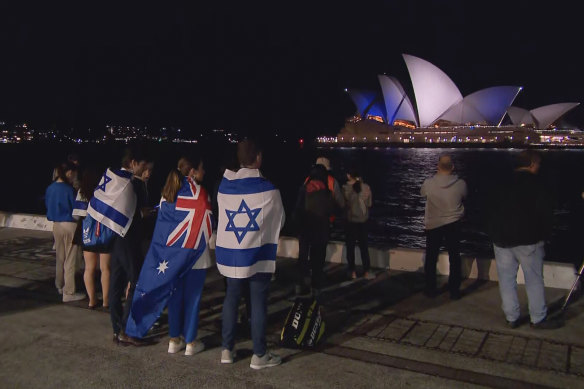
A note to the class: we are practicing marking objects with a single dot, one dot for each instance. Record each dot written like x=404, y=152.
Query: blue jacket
x=59, y=200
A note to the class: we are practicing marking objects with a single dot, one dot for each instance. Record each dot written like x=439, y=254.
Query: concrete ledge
x=556, y=274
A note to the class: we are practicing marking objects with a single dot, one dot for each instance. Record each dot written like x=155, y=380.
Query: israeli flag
x=251, y=216
x=114, y=201
x=80, y=205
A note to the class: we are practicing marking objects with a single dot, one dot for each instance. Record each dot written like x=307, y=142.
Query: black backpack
x=304, y=326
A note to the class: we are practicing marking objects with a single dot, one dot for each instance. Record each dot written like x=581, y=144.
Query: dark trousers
x=449, y=236
x=259, y=286
x=315, y=249
x=357, y=233
x=125, y=267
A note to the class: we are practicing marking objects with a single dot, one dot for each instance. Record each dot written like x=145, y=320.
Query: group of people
x=519, y=219
x=164, y=267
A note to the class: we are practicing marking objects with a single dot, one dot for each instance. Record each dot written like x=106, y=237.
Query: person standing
x=358, y=200
x=93, y=255
x=251, y=216
x=520, y=219
x=127, y=258
x=59, y=200
x=444, y=193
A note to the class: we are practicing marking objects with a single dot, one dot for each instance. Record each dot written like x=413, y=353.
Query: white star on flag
x=162, y=267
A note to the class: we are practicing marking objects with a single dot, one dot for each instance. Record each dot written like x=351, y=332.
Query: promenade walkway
x=380, y=333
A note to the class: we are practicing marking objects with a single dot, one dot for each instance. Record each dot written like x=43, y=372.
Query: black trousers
x=125, y=267
x=315, y=249
x=449, y=236
x=357, y=233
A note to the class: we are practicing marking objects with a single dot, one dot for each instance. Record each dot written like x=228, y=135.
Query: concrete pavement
x=380, y=333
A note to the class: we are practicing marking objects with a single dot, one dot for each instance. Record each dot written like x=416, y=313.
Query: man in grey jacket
x=444, y=193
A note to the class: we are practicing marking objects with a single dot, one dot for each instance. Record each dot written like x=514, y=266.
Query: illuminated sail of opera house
x=443, y=115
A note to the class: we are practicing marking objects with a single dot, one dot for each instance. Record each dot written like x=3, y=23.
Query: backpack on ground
x=94, y=234
x=304, y=326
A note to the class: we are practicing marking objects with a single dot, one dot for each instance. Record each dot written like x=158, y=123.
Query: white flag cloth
x=114, y=201
x=251, y=216
x=80, y=205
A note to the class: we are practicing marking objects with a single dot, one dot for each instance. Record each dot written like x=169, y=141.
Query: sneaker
x=67, y=298
x=227, y=356
x=369, y=276
x=194, y=348
x=174, y=347
x=513, y=324
x=455, y=295
x=547, y=324
x=353, y=275
x=267, y=360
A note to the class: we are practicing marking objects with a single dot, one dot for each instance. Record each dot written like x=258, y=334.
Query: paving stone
x=531, y=353
x=420, y=334
x=516, y=350
x=469, y=342
x=553, y=356
x=450, y=339
x=396, y=329
x=375, y=326
x=576, y=360
x=438, y=336
x=496, y=347
x=14, y=268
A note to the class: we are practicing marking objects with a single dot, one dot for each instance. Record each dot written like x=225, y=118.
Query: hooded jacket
x=444, y=194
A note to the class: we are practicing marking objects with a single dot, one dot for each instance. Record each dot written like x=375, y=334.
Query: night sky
x=279, y=67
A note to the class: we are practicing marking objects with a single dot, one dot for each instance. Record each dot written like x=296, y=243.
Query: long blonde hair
x=172, y=185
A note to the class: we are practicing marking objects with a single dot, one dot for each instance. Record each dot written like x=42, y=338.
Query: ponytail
x=172, y=185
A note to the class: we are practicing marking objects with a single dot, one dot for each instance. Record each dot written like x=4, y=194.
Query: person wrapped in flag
x=251, y=216
x=174, y=270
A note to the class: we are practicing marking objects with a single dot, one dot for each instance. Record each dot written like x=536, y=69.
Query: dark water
x=395, y=176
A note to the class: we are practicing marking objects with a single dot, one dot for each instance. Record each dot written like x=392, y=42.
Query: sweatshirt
x=444, y=194
x=59, y=200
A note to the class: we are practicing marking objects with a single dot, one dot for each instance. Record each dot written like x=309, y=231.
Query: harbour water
x=394, y=174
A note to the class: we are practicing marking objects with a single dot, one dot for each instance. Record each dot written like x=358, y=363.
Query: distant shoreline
x=398, y=145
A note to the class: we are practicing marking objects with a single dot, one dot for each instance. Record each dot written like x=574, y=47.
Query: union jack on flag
x=179, y=244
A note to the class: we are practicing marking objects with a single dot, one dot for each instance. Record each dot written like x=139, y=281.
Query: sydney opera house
x=441, y=114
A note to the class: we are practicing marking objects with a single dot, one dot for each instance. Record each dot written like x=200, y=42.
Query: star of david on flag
x=106, y=179
x=252, y=224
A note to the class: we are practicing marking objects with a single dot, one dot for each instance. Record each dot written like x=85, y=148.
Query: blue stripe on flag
x=109, y=212
x=80, y=205
x=243, y=186
x=122, y=173
x=245, y=257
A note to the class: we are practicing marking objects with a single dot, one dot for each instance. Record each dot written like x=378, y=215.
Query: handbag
x=95, y=234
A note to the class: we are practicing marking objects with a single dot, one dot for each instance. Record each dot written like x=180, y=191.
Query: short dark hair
x=133, y=153
x=526, y=158
x=247, y=152
x=445, y=162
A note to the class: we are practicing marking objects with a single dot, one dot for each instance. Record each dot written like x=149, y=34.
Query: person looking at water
x=314, y=206
x=93, y=255
x=358, y=201
x=444, y=194
x=520, y=219
x=59, y=200
x=251, y=216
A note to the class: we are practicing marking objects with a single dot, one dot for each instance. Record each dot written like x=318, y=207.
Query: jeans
x=531, y=259
x=448, y=234
x=357, y=232
x=259, y=285
x=184, y=303
x=316, y=250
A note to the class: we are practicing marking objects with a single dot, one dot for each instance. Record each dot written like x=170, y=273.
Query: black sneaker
x=547, y=324
x=455, y=295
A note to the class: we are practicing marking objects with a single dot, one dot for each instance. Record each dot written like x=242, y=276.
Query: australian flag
x=180, y=242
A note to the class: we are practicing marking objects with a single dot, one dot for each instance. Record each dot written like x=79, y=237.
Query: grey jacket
x=444, y=194
x=357, y=204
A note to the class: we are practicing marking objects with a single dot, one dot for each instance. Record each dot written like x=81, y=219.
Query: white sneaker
x=227, y=356
x=267, y=360
x=195, y=347
x=67, y=298
x=174, y=347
